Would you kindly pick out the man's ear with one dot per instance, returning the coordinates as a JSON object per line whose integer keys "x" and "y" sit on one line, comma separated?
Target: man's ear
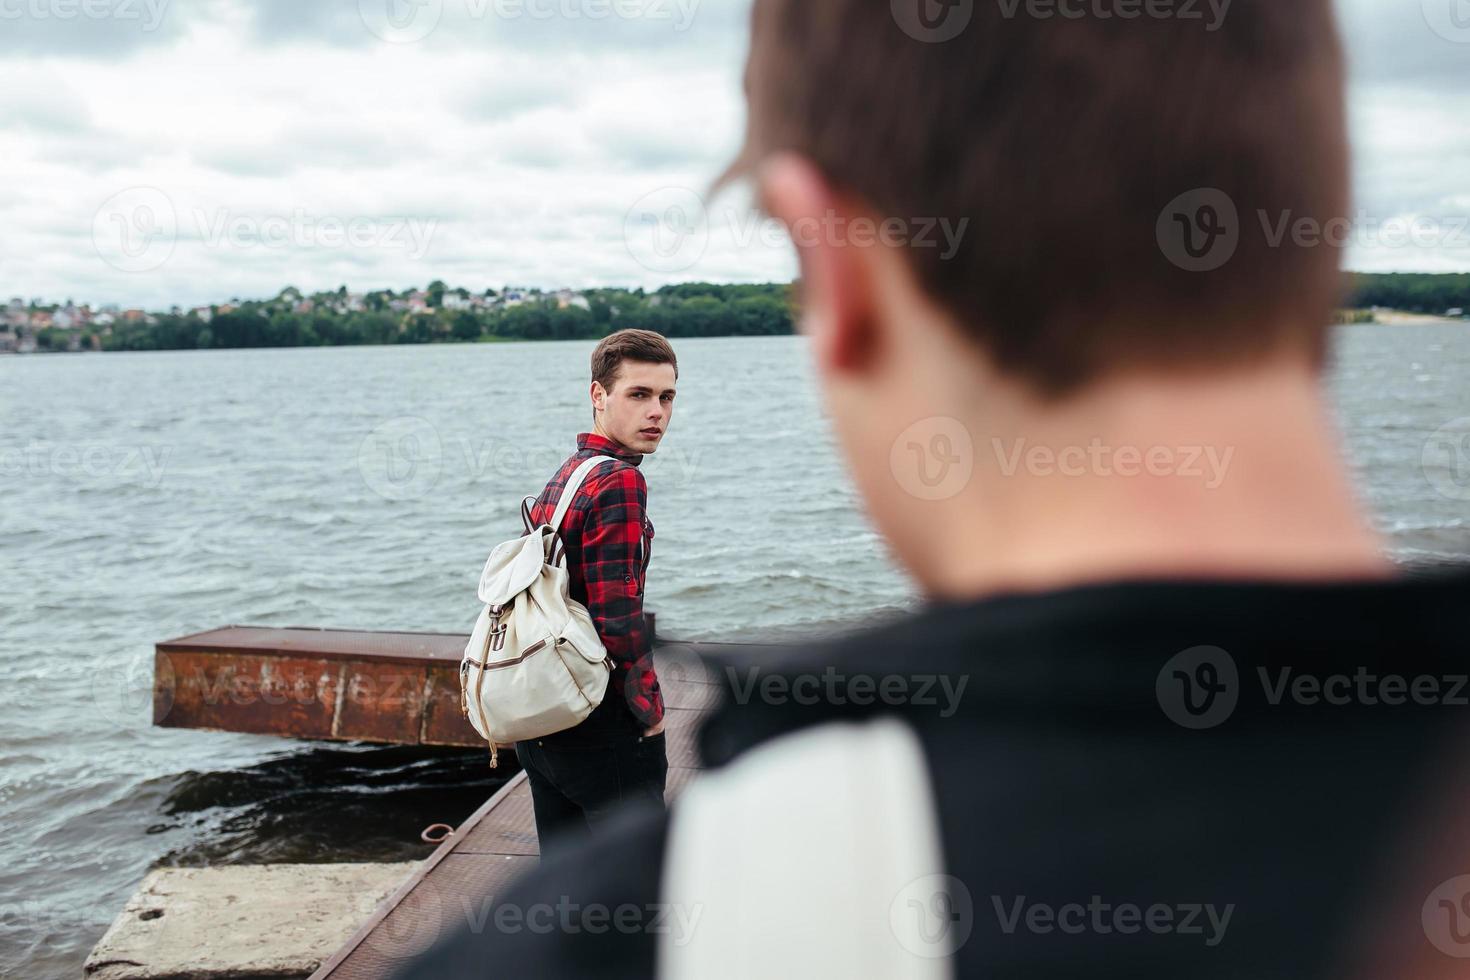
{"x": 836, "y": 287}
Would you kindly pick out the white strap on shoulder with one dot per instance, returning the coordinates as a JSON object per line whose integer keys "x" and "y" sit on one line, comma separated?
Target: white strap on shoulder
{"x": 817, "y": 855}
{"x": 574, "y": 483}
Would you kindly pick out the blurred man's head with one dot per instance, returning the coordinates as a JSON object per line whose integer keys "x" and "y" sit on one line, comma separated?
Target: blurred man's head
{"x": 1006, "y": 208}
{"x": 1060, "y": 142}
{"x": 633, "y": 378}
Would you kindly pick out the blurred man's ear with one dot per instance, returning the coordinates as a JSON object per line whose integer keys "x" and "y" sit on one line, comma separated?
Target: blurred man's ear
{"x": 838, "y": 301}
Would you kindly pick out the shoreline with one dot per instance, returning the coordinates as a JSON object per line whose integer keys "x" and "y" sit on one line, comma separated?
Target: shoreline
{"x": 1402, "y": 318}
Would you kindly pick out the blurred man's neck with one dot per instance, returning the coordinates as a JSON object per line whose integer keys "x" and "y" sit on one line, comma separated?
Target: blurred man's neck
{"x": 1215, "y": 476}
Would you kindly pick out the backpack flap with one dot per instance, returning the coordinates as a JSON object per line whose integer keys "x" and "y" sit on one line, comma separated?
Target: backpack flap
{"x": 513, "y": 566}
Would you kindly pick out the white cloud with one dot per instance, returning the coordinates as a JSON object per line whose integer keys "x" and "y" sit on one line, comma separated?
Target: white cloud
{"x": 521, "y": 140}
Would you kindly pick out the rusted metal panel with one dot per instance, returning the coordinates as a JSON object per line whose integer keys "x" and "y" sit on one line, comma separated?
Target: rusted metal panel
{"x": 343, "y": 700}
{"x": 381, "y": 702}
{"x": 308, "y": 683}
{"x": 255, "y": 694}
{"x": 444, "y": 721}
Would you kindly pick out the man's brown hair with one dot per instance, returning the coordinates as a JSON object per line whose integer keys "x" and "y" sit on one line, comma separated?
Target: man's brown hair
{"x": 634, "y": 345}
{"x": 1076, "y": 141}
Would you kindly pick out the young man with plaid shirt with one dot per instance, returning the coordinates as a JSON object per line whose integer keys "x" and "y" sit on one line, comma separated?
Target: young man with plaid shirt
{"x": 579, "y": 775}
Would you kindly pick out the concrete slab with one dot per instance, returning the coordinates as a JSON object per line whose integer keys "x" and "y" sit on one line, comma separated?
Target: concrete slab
{"x": 240, "y": 923}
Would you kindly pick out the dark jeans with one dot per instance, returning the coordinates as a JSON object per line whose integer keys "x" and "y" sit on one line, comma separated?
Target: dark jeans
{"x": 580, "y": 776}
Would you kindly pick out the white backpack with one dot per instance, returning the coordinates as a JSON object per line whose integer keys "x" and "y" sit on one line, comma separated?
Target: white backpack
{"x": 534, "y": 664}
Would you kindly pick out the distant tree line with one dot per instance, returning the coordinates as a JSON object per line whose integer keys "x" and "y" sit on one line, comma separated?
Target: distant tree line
{"x": 688, "y": 310}
{"x": 1410, "y": 291}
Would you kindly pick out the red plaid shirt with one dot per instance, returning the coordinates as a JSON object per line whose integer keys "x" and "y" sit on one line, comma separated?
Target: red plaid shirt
{"x": 609, "y": 539}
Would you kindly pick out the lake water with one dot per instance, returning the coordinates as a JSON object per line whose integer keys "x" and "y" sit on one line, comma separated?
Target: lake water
{"x": 147, "y": 496}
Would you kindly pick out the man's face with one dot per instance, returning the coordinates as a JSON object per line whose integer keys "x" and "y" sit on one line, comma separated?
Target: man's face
{"x": 637, "y": 412}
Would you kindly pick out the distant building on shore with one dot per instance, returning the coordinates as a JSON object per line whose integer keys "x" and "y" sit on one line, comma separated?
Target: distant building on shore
{"x": 568, "y": 297}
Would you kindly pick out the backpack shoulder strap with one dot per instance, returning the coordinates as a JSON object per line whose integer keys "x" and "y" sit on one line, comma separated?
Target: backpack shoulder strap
{"x": 574, "y": 483}
{"x": 817, "y": 854}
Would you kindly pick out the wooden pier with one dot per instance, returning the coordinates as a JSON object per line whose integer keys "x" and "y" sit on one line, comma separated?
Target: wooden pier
{"x": 396, "y": 688}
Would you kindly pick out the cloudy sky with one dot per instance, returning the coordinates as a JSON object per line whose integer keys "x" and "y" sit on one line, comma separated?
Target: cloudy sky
{"x": 190, "y": 151}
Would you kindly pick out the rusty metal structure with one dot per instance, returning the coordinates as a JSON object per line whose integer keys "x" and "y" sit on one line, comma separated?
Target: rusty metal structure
{"x": 343, "y": 685}
{"x": 400, "y": 688}
{"x": 305, "y": 682}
